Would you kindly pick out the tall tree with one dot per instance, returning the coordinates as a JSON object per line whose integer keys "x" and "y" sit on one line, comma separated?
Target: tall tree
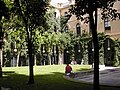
{"x": 87, "y": 10}
{"x": 32, "y": 14}
{"x": 3, "y": 13}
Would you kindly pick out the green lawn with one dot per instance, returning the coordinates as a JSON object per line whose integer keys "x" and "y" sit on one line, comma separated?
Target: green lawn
{"x": 46, "y": 78}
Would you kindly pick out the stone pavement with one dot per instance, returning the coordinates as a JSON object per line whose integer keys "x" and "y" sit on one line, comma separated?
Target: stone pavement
{"x": 108, "y": 76}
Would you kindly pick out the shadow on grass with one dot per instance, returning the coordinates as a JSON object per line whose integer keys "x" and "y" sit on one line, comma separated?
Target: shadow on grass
{"x": 52, "y": 81}
{"x": 82, "y": 69}
{"x": 8, "y": 72}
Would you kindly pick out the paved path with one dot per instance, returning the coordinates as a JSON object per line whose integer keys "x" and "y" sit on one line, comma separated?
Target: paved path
{"x": 109, "y": 76}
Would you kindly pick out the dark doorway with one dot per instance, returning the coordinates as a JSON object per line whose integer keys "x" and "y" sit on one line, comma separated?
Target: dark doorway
{"x": 78, "y": 53}
{"x": 66, "y": 56}
{"x": 90, "y": 52}
{"x": 109, "y": 52}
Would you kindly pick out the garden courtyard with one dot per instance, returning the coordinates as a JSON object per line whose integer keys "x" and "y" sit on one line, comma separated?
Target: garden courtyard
{"x": 49, "y": 77}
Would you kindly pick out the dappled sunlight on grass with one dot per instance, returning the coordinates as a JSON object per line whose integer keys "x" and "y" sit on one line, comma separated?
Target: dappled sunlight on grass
{"x": 19, "y": 70}
{"x": 49, "y": 76}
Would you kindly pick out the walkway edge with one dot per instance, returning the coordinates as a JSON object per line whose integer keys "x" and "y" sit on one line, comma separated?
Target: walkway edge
{"x": 83, "y": 82}
{"x": 71, "y": 79}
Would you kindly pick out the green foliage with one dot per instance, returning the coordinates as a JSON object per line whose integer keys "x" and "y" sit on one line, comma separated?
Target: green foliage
{"x": 101, "y": 56}
{"x": 32, "y": 15}
{"x": 52, "y": 20}
{"x": 101, "y": 39}
{"x": 14, "y": 35}
{"x": 31, "y": 11}
{"x": 84, "y": 39}
{"x": 116, "y": 60}
{"x": 63, "y": 40}
{"x": 83, "y": 7}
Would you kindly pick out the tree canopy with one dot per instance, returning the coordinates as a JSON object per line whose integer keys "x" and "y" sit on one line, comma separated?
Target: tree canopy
{"x": 32, "y": 14}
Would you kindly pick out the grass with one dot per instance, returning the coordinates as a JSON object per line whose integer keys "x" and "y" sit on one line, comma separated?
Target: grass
{"x": 46, "y": 78}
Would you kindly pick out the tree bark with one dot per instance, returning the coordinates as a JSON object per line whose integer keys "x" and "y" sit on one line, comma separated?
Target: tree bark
{"x": 29, "y": 42}
{"x": 35, "y": 62}
{"x": 60, "y": 61}
{"x": 31, "y": 76}
{"x": 31, "y": 61}
{"x": 18, "y": 59}
{"x": 1, "y": 41}
{"x": 93, "y": 29}
{"x": 49, "y": 58}
{"x": 0, "y": 62}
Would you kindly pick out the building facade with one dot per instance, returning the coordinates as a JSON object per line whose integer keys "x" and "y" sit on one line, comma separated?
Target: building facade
{"x": 107, "y": 26}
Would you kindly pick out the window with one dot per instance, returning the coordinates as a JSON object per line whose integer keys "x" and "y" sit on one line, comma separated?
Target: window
{"x": 78, "y": 29}
{"x": 107, "y": 24}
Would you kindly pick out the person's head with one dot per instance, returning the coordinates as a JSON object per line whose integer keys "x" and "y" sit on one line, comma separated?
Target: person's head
{"x": 67, "y": 64}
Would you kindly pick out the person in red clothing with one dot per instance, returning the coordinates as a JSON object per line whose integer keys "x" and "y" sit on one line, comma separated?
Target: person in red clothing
{"x": 68, "y": 70}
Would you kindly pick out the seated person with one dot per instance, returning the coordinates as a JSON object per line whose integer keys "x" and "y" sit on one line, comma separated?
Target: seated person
{"x": 68, "y": 70}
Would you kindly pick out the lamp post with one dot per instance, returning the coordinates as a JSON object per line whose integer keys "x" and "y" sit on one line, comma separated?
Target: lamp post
{"x": 43, "y": 53}
{"x": 109, "y": 54}
{"x": 109, "y": 51}
{"x": 93, "y": 52}
{"x": 67, "y": 56}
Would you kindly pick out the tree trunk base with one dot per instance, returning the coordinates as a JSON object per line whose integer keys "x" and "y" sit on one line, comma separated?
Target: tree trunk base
{"x": 0, "y": 72}
{"x": 30, "y": 82}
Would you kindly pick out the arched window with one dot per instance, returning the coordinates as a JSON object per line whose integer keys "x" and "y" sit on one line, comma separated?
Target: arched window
{"x": 78, "y": 29}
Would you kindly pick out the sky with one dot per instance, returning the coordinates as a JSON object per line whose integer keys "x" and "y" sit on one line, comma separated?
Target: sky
{"x": 59, "y": 1}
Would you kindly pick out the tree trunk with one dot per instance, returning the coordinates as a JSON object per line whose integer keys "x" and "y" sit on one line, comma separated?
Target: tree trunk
{"x": 0, "y": 62}
{"x": 18, "y": 59}
{"x": 29, "y": 46}
{"x": 31, "y": 76}
{"x": 35, "y": 60}
{"x": 29, "y": 42}
{"x": 93, "y": 29}
{"x": 49, "y": 58}
{"x": 60, "y": 61}
{"x": 1, "y": 41}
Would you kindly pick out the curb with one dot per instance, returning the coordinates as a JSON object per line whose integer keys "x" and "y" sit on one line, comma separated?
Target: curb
{"x": 90, "y": 83}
